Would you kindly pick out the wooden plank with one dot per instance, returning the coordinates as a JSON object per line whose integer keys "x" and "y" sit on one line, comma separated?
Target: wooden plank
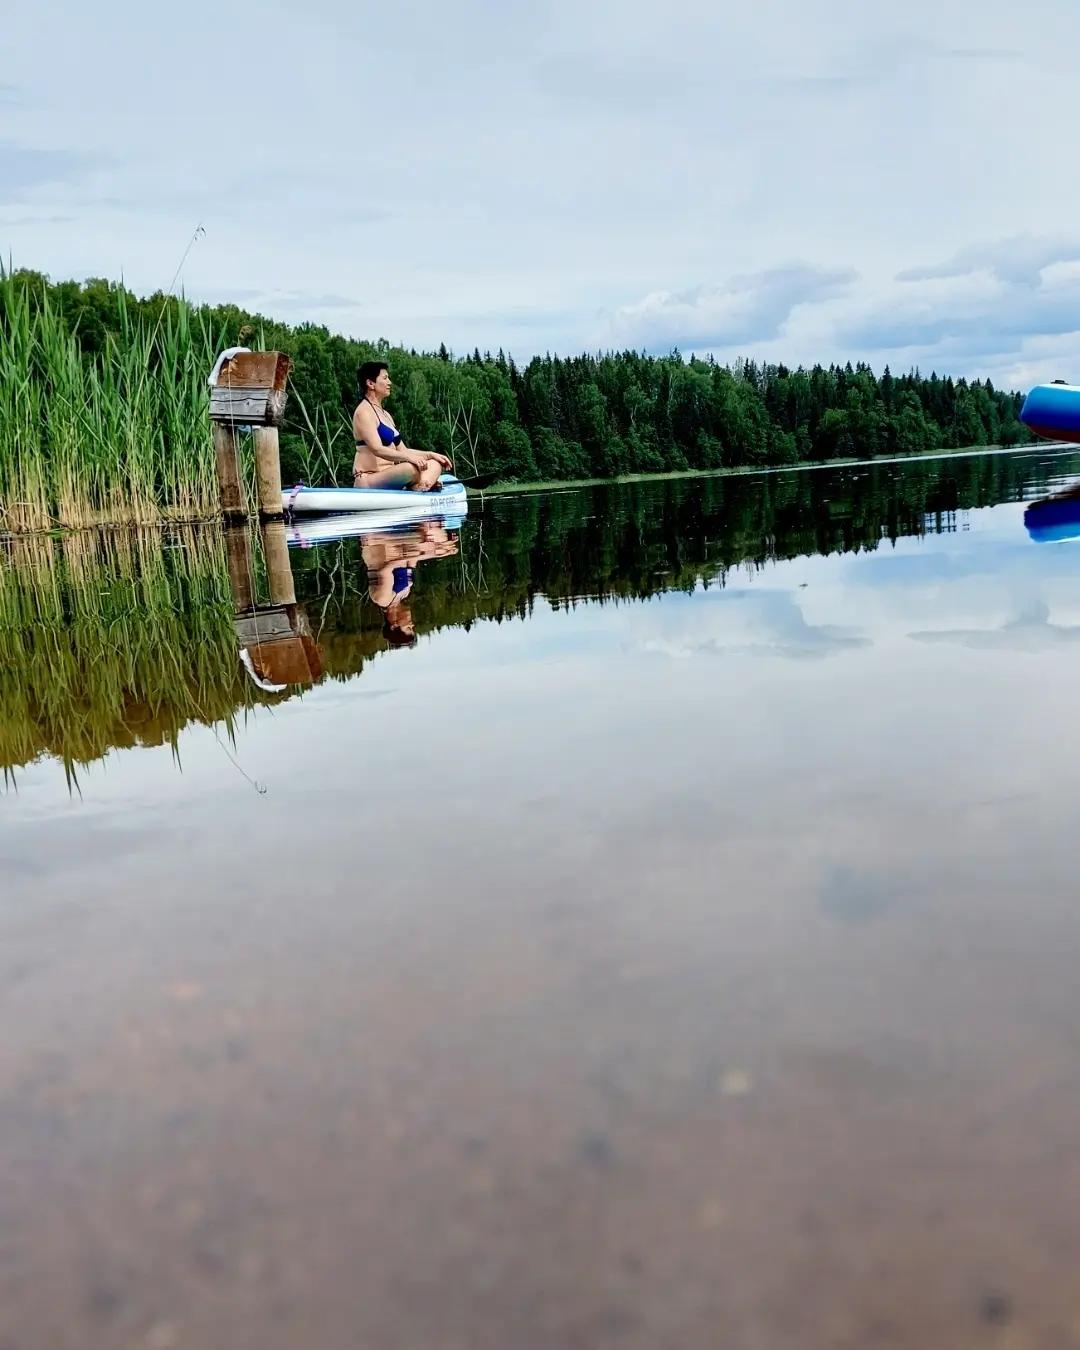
{"x": 265, "y": 623}
{"x": 268, "y": 370}
{"x": 247, "y": 406}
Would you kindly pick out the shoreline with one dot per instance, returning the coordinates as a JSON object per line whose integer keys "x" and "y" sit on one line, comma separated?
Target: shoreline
{"x": 736, "y": 471}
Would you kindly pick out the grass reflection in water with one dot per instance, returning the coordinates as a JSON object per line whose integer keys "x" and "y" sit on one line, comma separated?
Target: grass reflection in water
{"x": 113, "y": 639}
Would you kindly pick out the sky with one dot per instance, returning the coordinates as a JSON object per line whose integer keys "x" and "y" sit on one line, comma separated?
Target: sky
{"x": 788, "y": 180}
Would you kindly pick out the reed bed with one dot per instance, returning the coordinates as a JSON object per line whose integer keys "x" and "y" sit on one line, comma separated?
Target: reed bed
{"x": 111, "y": 639}
{"x": 117, "y": 436}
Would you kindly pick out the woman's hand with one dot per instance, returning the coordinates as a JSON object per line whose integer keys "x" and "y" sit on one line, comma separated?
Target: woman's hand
{"x": 418, "y": 459}
{"x": 442, "y": 459}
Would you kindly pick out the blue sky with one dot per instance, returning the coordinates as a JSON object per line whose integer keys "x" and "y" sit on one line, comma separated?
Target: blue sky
{"x": 789, "y": 181}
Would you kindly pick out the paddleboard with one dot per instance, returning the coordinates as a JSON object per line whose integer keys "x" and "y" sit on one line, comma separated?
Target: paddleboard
{"x": 302, "y": 500}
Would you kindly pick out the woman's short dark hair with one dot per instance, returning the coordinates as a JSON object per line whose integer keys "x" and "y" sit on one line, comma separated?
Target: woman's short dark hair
{"x": 397, "y": 636}
{"x": 369, "y": 370}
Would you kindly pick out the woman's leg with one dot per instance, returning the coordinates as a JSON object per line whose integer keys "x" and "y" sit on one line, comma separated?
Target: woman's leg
{"x": 429, "y": 476}
{"x": 400, "y": 476}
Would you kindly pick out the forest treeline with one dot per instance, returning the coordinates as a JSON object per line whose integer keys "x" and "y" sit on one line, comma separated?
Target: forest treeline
{"x": 559, "y": 417}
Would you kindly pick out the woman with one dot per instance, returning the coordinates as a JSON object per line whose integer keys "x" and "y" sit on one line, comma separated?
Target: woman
{"x": 382, "y": 459}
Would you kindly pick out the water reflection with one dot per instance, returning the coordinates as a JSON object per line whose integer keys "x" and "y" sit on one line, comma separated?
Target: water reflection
{"x": 276, "y": 645}
{"x": 1054, "y": 518}
{"x": 118, "y": 639}
{"x": 111, "y": 640}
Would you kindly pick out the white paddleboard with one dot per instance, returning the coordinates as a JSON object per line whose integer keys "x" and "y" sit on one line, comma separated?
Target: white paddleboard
{"x": 302, "y": 500}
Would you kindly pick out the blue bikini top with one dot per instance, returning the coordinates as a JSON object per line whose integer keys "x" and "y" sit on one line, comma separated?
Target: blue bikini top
{"x": 387, "y": 434}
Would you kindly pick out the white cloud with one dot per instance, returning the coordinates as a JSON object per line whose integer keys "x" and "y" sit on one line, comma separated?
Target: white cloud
{"x": 747, "y": 310}
{"x": 754, "y": 622}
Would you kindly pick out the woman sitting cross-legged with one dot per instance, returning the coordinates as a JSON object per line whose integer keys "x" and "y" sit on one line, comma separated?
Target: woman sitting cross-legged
{"x": 382, "y": 459}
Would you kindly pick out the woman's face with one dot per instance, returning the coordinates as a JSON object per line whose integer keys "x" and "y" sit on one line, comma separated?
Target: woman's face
{"x": 382, "y": 386}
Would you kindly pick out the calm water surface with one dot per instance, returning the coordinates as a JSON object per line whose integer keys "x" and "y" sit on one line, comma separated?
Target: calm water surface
{"x": 676, "y": 947}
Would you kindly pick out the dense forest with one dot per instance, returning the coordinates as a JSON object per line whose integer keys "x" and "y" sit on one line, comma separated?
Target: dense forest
{"x": 554, "y": 417}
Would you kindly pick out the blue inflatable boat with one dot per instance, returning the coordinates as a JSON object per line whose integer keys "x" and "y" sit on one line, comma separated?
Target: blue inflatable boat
{"x": 1053, "y": 411}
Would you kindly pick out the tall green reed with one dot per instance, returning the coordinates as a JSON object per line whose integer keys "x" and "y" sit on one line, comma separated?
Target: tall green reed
{"x": 120, "y": 436}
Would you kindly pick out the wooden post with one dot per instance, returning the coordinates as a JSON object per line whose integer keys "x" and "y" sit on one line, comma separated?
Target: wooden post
{"x": 250, "y": 392}
{"x": 230, "y": 486}
{"x": 268, "y": 473}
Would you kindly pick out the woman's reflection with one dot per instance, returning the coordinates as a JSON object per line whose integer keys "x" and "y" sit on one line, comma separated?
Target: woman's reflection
{"x": 391, "y": 557}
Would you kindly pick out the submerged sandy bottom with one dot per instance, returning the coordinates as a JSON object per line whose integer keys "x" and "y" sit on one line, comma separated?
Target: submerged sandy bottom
{"x": 704, "y": 974}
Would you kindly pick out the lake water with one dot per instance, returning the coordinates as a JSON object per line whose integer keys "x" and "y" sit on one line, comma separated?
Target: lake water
{"x": 675, "y": 947}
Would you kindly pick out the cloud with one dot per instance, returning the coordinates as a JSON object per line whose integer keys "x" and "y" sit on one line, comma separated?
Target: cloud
{"x": 748, "y": 309}
{"x": 1029, "y": 633}
{"x": 21, "y": 169}
{"x": 857, "y": 896}
{"x": 1009, "y": 54}
{"x": 271, "y": 303}
{"x": 751, "y": 623}
{"x": 14, "y": 216}
{"x": 817, "y": 84}
{"x": 555, "y": 160}
{"x": 974, "y": 310}
{"x": 1018, "y": 258}
{"x": 611, "y": 85}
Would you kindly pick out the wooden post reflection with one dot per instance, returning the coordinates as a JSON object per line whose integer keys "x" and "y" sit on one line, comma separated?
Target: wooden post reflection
{"x": 278, "y": 566}
{"x": 276, "y": 646}
{"x": 241, "y": 578}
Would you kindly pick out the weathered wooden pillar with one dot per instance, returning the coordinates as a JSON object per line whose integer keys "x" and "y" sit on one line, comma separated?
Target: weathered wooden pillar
{"x": 250, "y": 392}
{"x": 230, "y": 484}
{"x": 268, "y": 473}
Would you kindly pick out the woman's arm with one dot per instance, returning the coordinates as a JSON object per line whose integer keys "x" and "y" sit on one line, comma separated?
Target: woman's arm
{"x": 431, "y": 454}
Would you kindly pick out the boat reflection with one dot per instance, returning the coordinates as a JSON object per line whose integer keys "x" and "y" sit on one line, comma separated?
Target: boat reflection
{"x": 1055, "y": 518}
